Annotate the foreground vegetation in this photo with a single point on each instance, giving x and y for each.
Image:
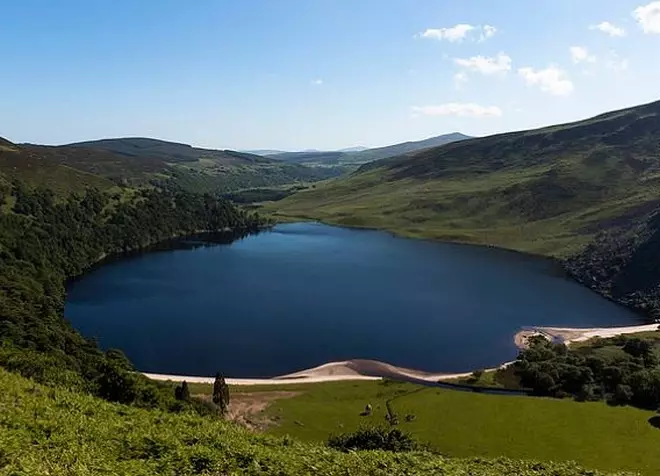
(58, 432)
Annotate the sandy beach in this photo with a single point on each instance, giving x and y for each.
(334, 371)
(360, 369)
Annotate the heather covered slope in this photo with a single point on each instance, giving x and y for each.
(547, 191)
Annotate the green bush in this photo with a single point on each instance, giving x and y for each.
(375, 438)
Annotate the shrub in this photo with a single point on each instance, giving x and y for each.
(376, 438)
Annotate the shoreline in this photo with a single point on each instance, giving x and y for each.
(373, 370)
(570, 335)
(347, 370)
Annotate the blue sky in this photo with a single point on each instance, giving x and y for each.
(297, 74)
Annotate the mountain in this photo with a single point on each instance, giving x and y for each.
(360, 155)
(354, 149)
(168, 151)
(5, 143)
(547, 190)
(264, 152)
(311, 157)
(139, 161)
(407, 147)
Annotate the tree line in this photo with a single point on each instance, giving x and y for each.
(622, 371)
(45, 240)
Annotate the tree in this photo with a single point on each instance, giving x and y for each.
(622, 395)
(182, 393)
(221, 393)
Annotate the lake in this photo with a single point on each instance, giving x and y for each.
(304, 294)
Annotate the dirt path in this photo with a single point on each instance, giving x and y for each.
(247, 408)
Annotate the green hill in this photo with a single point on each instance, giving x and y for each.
(546, 191)
(169, 151)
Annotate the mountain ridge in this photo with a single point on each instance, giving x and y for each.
(140, 161)
(346, 156)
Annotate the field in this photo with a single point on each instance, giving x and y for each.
(461, 424)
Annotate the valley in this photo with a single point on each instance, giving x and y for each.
(583, 195)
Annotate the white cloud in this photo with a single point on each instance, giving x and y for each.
(580, 54)
(458, 109)
(648, 17)
(488, 31)
(551, 80)
(452, 34)
(458, 33)
(317, 82)
(485, 65)
(460, 79)
(609, 28)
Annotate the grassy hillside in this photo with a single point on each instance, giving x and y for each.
(363, 156)
(546, 191)
(56, 432)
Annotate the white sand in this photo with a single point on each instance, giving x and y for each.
(333, 371)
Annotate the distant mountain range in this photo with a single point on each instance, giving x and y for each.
(361, 155)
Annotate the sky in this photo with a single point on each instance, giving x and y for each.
(317, 74)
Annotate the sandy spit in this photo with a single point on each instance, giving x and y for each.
(334, 371)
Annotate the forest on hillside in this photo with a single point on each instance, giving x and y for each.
(45, 240)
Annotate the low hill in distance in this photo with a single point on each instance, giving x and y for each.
(138, 161)
(549, 191)
(361, 155)
(168, 151)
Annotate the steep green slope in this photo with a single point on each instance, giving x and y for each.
(546, 191)
(56, 432)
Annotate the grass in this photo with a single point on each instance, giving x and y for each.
(460, 424)
(45, 431)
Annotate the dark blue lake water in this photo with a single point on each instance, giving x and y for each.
(305, 294)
